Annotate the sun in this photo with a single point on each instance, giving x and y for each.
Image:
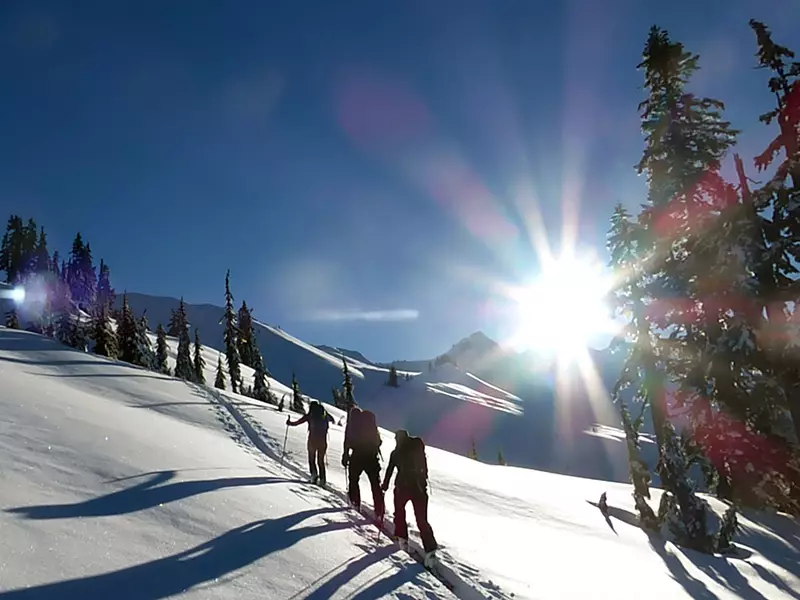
(564, 309)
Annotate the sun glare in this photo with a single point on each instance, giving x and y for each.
(564, 309)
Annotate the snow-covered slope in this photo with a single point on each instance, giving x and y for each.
(123, 483)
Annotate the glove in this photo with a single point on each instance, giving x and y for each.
(344, 460)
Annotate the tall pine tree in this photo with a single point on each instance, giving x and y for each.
(162, 351)
(260, 383)
(127, 334)
(230, 337)
(219, 380)
(105, 293)
(103, 335)
(246, 341)
(199, 363)
(183, 359)
(347, 385)
(297, 396)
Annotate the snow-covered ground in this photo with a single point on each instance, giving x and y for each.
(120, 482)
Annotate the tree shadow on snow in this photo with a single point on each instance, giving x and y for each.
(718, 568)
(148, 494)
(172, 575)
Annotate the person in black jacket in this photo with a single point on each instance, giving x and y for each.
(362, 444)
(411, 484)
(318, 420)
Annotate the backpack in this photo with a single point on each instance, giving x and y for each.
(364, 435)
(317, 420)
(414, 464)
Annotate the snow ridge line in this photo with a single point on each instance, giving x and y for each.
(461, 588)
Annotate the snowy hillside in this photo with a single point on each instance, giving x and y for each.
(447, 405)
(119, 482)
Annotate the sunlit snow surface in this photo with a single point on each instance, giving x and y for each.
(118, 482)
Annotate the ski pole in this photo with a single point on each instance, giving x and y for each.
(285, 438)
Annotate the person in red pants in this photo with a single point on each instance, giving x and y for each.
(410, 485)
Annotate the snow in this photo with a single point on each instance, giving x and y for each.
(122, 481)
(118, 482)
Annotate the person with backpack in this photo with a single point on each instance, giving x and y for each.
(411, 484)
(318, 421)
(362, 445)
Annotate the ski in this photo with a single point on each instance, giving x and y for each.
(411, 551)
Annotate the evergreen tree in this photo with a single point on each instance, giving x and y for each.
(42, 254)
(105, 293)
(162, 353)
(776, 212)
(199, 363)
(143, 340)
(282, 403)
(176, 320)
(297, 397)
(246, 340)
(127, 334)
(349, 396)
(260, 382)
(183, 360)
(12, 319)
(230, 337)
(104, 336)
(12, 249)
(219, 381)
(393, 377)
(80, 275)
(473, 450)
(501, 460)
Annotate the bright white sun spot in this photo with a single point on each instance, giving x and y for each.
(564, 310)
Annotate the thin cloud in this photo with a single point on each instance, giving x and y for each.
(404, 314)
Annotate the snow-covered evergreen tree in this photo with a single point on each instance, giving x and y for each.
(183, 359)
(691, 519)
(103, 334)
(260, 382)
(127, 334)
(246, 337)
(105, 292)
(146, 352)
(80, 275)
(199, 363)
(162, 351)
(219, 380)
(230, 337)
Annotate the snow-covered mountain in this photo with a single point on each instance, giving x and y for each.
(449, 405)
(119, 482)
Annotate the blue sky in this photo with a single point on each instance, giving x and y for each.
(345, 158)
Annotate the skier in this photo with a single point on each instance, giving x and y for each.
(411, 484)
(318, 420)
(362, 444)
